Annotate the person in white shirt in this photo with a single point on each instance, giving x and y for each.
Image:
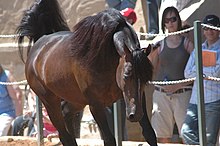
(189, 131)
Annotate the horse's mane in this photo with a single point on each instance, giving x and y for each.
(43, 17)
(47, 15)
(142, 66)
(94, 36)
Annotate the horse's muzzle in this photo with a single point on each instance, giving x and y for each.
(133, 114)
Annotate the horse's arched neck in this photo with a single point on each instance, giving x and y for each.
(106, 62)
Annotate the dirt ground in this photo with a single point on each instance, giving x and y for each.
(21, 141)
(88, 131)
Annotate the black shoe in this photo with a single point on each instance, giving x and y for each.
(142, 37)
(150, 37)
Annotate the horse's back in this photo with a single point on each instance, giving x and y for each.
(51, 63)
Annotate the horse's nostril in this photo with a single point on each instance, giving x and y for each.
(131, 116)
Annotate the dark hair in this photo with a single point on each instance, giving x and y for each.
(170, 10)
(1, 69)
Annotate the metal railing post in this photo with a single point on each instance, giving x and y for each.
(199, 83)
(40, 136)
(117, 123)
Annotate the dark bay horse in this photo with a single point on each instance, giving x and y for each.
(96, 64)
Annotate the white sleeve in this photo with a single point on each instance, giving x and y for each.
(190, 69)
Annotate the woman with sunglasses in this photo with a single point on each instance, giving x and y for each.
(170, 101)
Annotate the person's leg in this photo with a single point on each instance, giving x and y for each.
(153, 18)
(180, 104)
(148, 90)
(212, 112)
(18, 126)
(31, 125)
(189, 130)
(114, 4)
(128, 4)
(162, 117)
(5, 124)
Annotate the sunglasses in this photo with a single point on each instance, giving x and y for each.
(206, 28)
(171, 19)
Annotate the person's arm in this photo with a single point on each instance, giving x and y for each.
(213, 71)
(189, 46)
(16, 94)
(154, 57)
(190, 69)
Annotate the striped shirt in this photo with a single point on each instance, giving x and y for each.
(211, 88)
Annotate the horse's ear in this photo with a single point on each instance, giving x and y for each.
(147, 49)
(120, 45)
(118, 39)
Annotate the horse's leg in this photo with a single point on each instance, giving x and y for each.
(147, 130)
(72, 119)
(77, 117)
(53, 106)
(98, 112)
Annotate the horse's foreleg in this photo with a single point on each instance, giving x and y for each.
(98, 112)
(147, 129)
(53, 106)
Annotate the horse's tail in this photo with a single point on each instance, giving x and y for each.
(43, 17)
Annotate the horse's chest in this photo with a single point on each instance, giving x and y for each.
(96, 86)
(103, 93)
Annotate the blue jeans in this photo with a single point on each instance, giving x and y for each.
(153, 16)
(190, 131)
(152, 5)
(121, 4)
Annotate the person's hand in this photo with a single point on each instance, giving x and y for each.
(27, 114)
(171, 88)
(53, 135)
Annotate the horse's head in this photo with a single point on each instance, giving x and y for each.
(133, 72)
(98, 35)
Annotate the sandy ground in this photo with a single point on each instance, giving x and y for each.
(89, 136)
(89, 130)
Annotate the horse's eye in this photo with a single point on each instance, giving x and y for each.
(125, 76)
(127, 70)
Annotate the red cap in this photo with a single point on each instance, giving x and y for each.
(129, 13)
